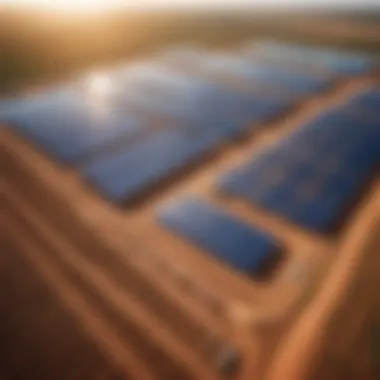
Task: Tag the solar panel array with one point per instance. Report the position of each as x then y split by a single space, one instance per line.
126 130
244 248
310 178
313 176
111 139
367 101
69 124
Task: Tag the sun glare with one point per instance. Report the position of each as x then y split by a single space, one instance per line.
99 84
97 89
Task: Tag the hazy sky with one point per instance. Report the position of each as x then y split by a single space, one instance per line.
74 5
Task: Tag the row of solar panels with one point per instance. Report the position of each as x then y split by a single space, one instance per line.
240 63
310 178
313 176
124 174
329 60
255 73
150 87
71 124
247 62
144 158
245 248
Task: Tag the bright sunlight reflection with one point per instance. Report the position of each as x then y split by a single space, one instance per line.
99 85
98 88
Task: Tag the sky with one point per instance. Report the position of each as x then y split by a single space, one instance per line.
100 5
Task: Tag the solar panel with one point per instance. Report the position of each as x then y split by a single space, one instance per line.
69 128
275 55
326 179
298 82
368 100
52 98
184 55
233 66
221 235
256 73
290 80
103 134
341 63
195 103
149 70
235 110
317 215
169 93
125 174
